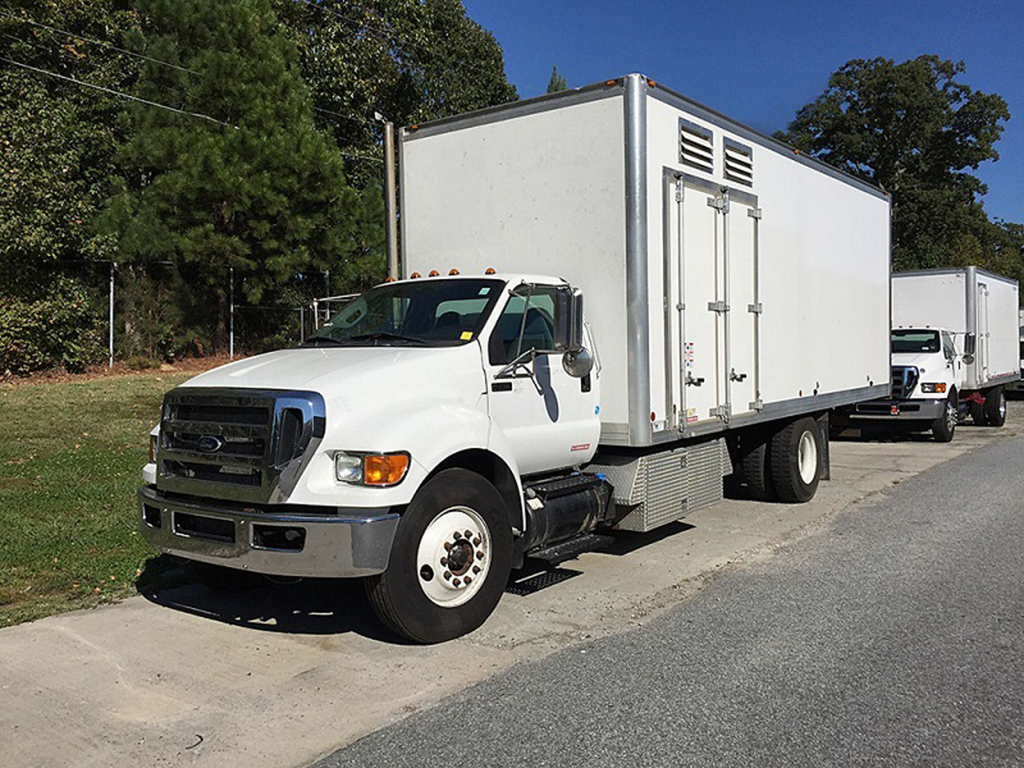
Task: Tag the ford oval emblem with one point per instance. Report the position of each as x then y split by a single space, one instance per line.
210 444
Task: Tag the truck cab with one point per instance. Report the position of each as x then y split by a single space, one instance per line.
424 401
927 377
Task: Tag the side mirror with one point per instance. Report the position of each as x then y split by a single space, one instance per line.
575 340
578 363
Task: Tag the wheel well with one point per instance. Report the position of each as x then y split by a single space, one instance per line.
495 471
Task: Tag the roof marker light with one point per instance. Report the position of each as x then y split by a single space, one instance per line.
453 271
415 276
433 273
490 271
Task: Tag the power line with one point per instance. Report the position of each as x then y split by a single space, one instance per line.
98 42
383 37
121 94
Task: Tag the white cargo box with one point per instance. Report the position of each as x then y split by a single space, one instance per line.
979 307
727 279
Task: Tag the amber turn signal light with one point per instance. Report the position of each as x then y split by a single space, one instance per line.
385 469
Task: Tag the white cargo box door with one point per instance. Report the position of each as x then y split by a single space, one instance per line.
982 350
717 249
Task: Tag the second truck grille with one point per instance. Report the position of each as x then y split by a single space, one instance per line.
904 379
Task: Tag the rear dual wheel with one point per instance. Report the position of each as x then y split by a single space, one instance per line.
796 458
450 560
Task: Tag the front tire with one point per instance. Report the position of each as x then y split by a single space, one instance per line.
450 560
995 407
796 461
945 425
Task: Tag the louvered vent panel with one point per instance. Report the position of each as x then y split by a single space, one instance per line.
739 163
696 146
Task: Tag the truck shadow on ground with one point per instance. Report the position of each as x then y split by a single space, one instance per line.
883 434
332 606
301 607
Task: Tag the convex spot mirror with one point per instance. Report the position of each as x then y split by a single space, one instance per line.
578 363
968 358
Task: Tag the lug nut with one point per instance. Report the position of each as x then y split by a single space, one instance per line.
457 535
447 575
468 581
444 561
456 581
447 545
476 569
476 541
469 533
479 555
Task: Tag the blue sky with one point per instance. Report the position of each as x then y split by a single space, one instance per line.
759 62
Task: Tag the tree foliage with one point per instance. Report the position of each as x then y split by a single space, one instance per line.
557 81
261 190
408 60
292 194
919 133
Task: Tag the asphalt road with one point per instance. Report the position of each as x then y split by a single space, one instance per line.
894 635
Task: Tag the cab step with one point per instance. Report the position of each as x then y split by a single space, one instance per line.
570 548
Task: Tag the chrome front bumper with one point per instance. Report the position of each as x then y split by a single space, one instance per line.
348 543
907 410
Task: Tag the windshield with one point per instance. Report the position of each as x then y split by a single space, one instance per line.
432 313
915 341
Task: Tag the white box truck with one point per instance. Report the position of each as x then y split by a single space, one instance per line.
443 427
955 348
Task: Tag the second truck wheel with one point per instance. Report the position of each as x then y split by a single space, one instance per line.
795 461
450 560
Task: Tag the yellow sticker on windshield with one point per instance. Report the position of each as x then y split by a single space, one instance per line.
466 335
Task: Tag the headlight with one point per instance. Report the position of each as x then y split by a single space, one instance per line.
348 468
375 469
937 389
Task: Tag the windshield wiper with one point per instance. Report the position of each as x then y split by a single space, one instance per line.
386 336
314 341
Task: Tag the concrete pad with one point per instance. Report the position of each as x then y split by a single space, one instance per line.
282 675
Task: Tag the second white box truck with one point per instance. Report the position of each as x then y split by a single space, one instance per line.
955 349
443 427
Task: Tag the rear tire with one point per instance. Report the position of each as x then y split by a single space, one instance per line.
945 425
795 457
978 413
754 471
425 595
995 407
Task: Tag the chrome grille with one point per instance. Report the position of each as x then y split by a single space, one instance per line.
239 444
904 379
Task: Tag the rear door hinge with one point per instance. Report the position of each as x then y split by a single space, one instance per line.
719 203
717 306
723 412
754 213
757 309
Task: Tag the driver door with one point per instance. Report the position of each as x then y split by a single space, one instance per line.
549 418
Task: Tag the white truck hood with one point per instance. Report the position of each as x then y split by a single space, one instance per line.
329 369
926 361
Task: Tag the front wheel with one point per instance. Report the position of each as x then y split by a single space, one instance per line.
450 560
945 425
995 407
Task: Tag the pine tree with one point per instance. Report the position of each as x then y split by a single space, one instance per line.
557 82
251 185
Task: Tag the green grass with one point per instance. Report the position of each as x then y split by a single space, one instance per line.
70 461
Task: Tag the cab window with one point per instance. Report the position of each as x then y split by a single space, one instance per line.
540 316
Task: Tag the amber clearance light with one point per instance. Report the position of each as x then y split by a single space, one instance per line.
385 469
